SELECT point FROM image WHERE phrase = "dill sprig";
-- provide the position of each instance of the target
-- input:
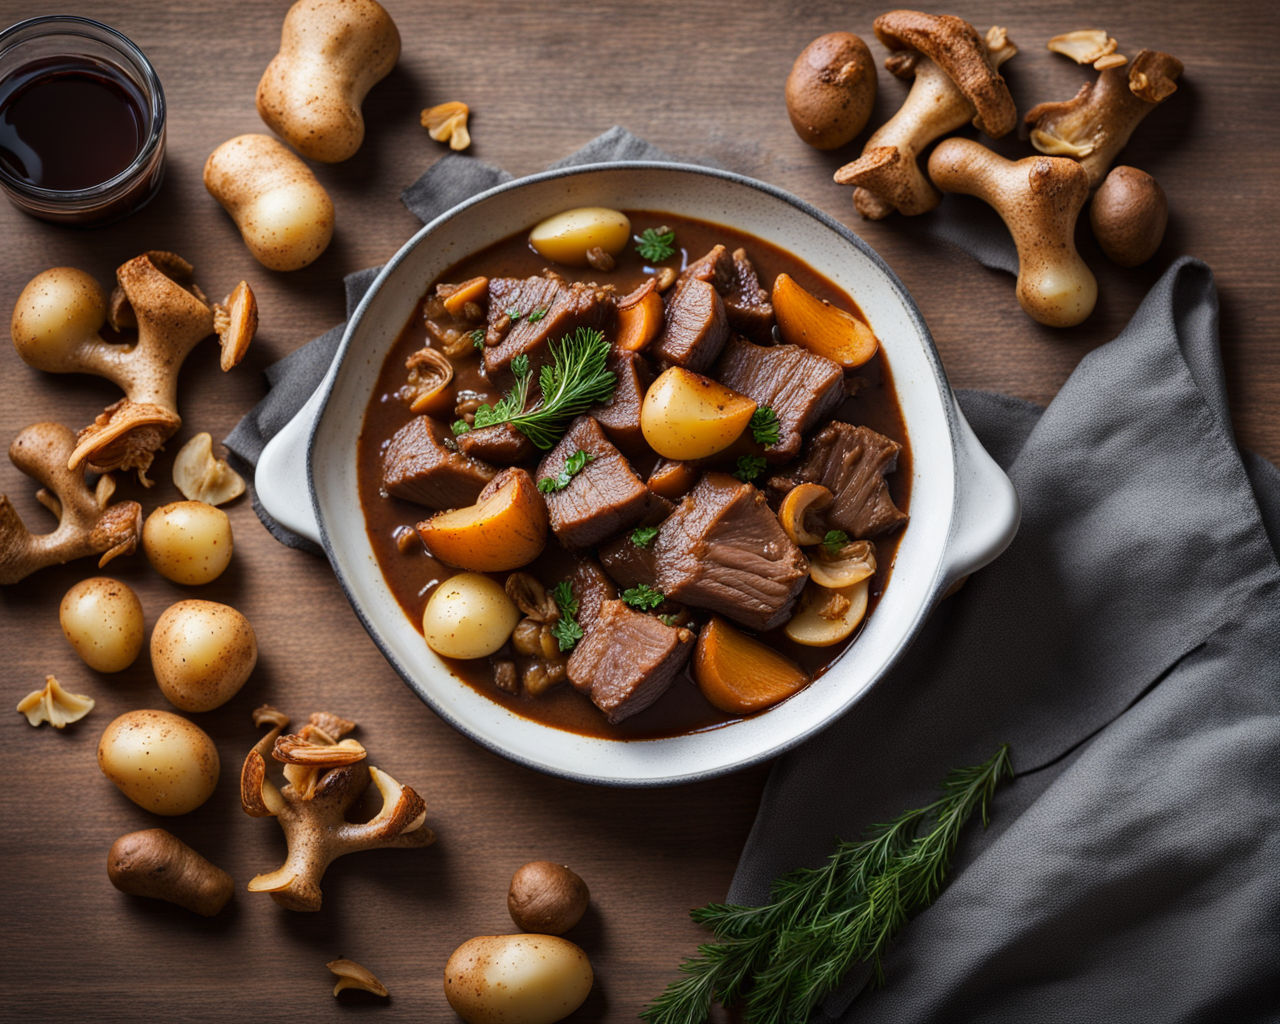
(574, 381)
(788, 955)
(566, 629)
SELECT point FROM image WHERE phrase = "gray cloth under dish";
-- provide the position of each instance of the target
(1127, 645)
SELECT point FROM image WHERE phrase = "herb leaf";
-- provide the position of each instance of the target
(835, 540)
(573, 465)
(642, 536)
(513, 314)
(477, 337)
(655, 247)
(574, 381)
(562, 595)
(536, 315)
(566, 630)
(460, 427)
(749, 467)
(643, 597)
(791, 953)
(765, 427)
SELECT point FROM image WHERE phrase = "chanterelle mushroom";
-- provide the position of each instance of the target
(1094, 125)
(956, 82)
(326, 777)
(86, 524)
(56, 324)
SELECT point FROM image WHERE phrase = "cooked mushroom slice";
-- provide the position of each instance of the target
(352, 975)
(795, 513)
(430, 372)
(54, 705)
(849, 564)
(235, 321)
(201, 477)
(1083, 46)
(826, 617)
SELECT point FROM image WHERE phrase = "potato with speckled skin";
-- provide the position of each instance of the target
(161, 762)
(103, 621)
(468, 616)
(188, 542)
(566, 237)
(688, 416)
(202, 653)
(534, 979)
(284, 214)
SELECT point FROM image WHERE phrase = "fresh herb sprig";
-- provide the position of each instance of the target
(574, 381)
(654, 245)
(566, 630)
(749, 467)
(643, 597)
(765, 427)
(477, 338)
(834, 541)
(643, 536)
(573, 465)
(786, 956)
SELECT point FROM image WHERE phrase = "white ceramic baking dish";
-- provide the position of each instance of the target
(964, 510)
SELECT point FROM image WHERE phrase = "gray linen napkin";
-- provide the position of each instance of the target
(1127, 645)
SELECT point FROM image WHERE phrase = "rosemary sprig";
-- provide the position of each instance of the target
(574, 381)
(788, 955)
(566, 630)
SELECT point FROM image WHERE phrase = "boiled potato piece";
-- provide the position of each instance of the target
(826, 616)
(102, 619)
(505, 529)
(161, 762)
(533, 979)
(808, 321)
(566, 237)
(188, 541)
(468, 616)
(688, 416)
(202, 653)
(739, 674)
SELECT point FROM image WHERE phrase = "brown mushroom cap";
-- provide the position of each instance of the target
(831, 90)
(955, 46)
(1128, 216)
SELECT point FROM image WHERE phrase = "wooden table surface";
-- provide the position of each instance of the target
(697, 78)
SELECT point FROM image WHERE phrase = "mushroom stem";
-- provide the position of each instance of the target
(84, 527)
(1039, 199)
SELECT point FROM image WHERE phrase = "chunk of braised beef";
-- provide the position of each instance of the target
(723, 550)
(747, 304)
(851, 462)
(603, 498)
(628, 660)
(421, 464)
(591, 588)
(695, 330)
(525, 314)
(620, 415)
(716, 268)
(801, 387)
(501, 443)
(629, 563)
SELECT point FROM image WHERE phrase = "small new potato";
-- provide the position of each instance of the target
(566, 237)
(202, 653)
(102, 619)
(688, 416)
(188, 541)
(284, 214)
(533, 979)
(161, 762)
(468, 616)
(58, 312)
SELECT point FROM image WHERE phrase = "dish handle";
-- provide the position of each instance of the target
(282, 478)
(987, 508)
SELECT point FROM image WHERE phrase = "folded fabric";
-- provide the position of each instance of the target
(1127, 645)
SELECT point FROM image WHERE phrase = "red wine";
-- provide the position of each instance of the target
(70, 122)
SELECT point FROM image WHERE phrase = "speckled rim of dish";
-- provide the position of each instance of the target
(957, 427)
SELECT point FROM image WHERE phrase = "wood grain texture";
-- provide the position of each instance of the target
(699, 79)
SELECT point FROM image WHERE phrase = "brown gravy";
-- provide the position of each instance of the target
(412, 576)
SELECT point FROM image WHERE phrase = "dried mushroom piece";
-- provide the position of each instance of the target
(201, 477)
(326, 778)
(1083, 46)
(235, 321)
(352, 975)
(447, 122)
(87, 526)
(54, 705)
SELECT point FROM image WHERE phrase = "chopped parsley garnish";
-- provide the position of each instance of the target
(460, 427)
(765, 427)
(655, 247)
(573, 465)
(642, 536)
(477, 337)
(566, 630)
(644, 598)
(749, 467)
(536, 315)
(835, 540)
(668, 620)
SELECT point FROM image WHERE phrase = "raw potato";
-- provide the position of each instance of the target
(158, 864)
(533, 979)
(332, 52)
(284, 214)
(202, 653)
(831, 90)
(468, 616)
(739, 674)
(188, 541)
(807, 321)
(161, 762)
(58, 311)
(566, 237)
(505, 529)
(688, 416)
(547, 898)
(102, 619)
